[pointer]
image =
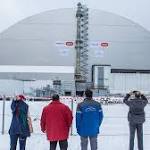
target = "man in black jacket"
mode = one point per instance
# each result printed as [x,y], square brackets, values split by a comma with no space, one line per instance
[136,116]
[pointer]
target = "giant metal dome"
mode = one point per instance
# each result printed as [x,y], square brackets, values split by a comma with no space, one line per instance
[33,41]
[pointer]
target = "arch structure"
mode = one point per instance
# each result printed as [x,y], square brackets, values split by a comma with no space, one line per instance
[42,44]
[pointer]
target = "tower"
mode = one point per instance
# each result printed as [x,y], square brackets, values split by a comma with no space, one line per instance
[81,72]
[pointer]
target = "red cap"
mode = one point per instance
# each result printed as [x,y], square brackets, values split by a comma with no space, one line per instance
[21,97]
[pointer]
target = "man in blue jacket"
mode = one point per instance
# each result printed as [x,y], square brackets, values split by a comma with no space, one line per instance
[89,116]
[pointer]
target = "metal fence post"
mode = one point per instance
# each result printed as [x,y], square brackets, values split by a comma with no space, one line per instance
[3,115]
[72,114]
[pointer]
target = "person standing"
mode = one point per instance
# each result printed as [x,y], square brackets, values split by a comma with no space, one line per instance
[56,121]
[89,116]
[19,128]
[136,116]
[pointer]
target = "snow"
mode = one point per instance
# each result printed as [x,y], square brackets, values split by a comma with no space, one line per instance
[114,131]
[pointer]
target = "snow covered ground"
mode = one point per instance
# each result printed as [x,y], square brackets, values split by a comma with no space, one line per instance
[114,131]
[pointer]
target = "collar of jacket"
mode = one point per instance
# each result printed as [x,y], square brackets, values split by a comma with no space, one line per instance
[88,99]
[55,102]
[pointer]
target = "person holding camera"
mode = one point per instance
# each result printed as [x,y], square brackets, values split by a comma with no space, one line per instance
[136,116]
[21,126]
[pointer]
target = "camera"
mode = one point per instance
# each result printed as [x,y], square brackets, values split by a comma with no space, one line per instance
[135,92]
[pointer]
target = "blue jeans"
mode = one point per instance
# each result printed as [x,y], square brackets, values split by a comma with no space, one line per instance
[13,141]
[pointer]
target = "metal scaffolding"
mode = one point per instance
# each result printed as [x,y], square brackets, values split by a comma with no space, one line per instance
[81,72]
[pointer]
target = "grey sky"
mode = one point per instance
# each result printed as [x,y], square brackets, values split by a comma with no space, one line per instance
[12,11]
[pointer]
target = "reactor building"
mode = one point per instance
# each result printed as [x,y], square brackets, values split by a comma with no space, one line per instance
[74,49]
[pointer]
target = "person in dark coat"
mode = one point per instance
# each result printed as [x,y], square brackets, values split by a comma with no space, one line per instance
[89,116]
[56,121]
[19,128]
[136,116]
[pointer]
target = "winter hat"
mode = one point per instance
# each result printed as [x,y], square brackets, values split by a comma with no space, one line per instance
[21,97]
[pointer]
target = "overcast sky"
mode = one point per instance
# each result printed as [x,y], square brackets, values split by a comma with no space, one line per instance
[12,11]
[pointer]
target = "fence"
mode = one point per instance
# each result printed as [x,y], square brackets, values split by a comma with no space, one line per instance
[115,115]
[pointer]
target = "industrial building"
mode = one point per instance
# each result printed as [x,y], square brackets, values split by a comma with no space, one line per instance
[40,50]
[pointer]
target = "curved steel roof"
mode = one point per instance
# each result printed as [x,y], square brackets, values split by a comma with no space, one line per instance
[34,41]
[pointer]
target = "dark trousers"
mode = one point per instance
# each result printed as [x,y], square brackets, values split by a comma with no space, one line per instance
[133,129]
[63,145]
[13,142]
[93,143]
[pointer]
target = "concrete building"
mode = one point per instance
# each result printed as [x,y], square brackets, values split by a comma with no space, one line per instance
[41,47]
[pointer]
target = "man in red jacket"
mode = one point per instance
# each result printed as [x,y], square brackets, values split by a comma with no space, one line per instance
[56,120]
